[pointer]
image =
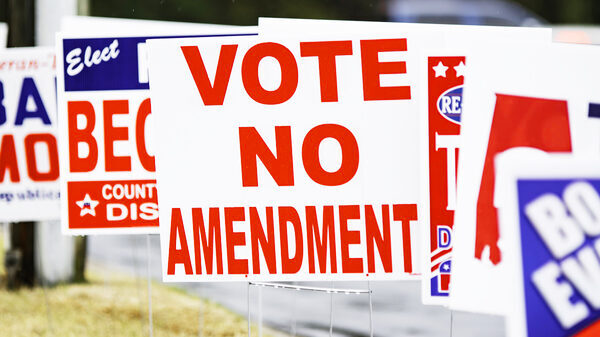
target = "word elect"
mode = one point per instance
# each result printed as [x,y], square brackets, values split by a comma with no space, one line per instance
[76,63]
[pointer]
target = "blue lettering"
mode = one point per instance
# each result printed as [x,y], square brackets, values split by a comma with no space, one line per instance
[444,237]
[28,90]
[2,108]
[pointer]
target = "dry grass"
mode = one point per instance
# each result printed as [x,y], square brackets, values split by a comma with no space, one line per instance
[115,308]
[112,305]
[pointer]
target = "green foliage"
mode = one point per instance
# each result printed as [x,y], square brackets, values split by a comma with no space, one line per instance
[237,12]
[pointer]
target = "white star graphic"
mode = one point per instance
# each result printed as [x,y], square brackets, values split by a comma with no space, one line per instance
[445,267]
[440,70]
[87,205]
[460,69]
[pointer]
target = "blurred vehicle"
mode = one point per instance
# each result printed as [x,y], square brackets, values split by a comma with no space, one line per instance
[464,12]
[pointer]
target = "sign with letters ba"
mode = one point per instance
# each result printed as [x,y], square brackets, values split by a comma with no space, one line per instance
[29,169]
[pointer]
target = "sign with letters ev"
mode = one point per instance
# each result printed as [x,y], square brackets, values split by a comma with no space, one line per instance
[29,171]
[286,159]
[108,183]
[550,219]
[513,100]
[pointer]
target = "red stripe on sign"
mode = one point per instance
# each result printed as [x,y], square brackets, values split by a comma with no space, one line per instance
[440,254]
[112,204]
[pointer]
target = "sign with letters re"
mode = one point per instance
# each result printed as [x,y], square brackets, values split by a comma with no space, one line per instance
[550,220]
[108,184]
[29,170]
[288,158]
[441,121]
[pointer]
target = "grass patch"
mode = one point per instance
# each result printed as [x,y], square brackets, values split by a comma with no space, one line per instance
[113,305]
[115,308]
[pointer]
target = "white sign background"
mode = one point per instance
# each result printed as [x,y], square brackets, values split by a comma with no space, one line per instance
[30,200]
[519,70]
[198,151]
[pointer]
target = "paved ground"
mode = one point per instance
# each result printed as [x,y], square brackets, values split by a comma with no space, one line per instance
[397,309]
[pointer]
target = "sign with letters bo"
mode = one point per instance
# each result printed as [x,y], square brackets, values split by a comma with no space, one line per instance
[29,168]
[108,182]
[286,159]
[553,219]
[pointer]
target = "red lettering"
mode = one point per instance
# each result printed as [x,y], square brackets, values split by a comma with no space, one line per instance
[210,244]
[290,215]
[289,73]
[253,146]
[310,154]
[77,136]
[178,256]
[347,238]
[234,266]
[257,236]
[111,134]
[406,214]
[8,159]
[321,242]
[32,170]
[146,160]
[326,51]
[373,69]
[383,242]
[211,94]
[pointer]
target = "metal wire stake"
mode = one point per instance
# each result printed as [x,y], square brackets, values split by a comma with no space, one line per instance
[260,313]
[42,280]
[295,298]
[331,312]
[451,323]
[200,313]
[370,309]
[150,326]
[248,309]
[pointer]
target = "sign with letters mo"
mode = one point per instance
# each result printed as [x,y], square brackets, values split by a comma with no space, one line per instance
[286,159]
[29,169]
[108,180]
[550,222]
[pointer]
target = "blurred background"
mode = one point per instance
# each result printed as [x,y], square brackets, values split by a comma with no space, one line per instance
[39,262]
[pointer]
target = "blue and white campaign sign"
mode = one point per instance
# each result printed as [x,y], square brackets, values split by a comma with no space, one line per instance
[550,220]
[108,182]
[29,169]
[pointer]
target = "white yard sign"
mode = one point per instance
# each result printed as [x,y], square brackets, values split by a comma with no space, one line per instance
[514,97]
[286,159]
[439,125]
[29,170]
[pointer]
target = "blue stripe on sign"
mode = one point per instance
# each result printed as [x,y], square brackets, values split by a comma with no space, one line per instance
[594,110]
[90,65]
